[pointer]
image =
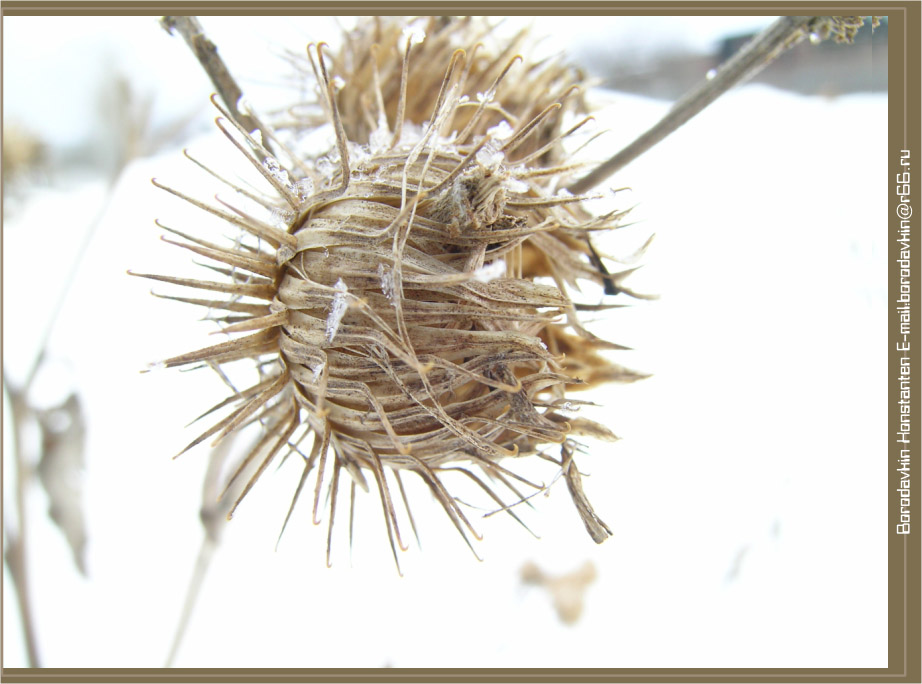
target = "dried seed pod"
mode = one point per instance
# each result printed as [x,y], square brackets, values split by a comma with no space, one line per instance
[374,57]
[390,290]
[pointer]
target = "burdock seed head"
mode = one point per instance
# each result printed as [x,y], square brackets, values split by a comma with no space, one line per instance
[405,292]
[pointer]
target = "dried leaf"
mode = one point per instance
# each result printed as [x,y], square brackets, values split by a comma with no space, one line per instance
[60,470]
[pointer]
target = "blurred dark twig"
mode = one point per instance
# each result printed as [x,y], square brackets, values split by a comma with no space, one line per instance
[750,60]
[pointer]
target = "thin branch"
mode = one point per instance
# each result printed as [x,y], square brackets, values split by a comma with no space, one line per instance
[16,563]
[205,554]
[67,282]
[213,516]
[752,58]
[207,54]
[15,552]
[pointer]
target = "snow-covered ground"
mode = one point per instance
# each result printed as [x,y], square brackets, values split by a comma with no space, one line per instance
[747,496]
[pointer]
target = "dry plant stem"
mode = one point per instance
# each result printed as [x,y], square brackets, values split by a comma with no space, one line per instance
[752,58]
[213,516]
[16,562]
[16,552]
[202,562]
[15,556]
[71,277]
[207,54]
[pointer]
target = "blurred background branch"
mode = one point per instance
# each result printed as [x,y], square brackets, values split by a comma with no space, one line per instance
[751,58]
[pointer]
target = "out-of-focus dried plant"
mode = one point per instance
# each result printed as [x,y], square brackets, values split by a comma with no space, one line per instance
[567,591]
[25,158]
[213,516]
[60,470]
[57,458]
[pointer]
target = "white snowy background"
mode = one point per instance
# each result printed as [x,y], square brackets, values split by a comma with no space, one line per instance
[746,497]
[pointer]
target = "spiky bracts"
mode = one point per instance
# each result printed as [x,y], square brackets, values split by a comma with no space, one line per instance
[406,294]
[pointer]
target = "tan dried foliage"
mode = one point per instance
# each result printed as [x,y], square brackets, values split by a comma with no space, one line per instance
[567,591]
[24,153]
